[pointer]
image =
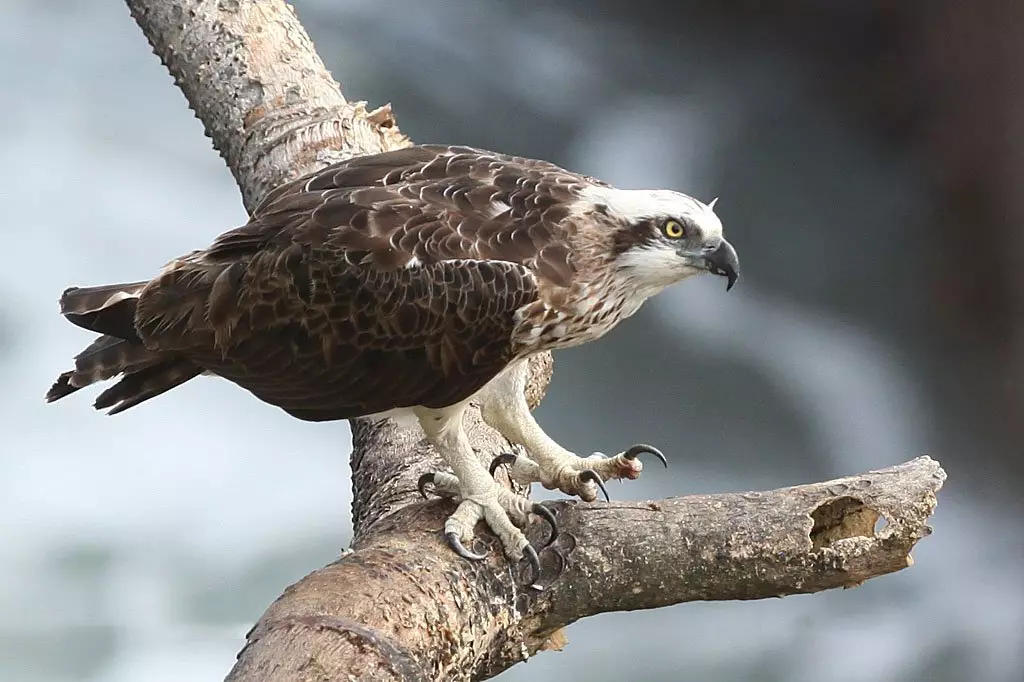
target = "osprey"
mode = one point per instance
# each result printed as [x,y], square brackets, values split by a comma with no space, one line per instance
[409,283]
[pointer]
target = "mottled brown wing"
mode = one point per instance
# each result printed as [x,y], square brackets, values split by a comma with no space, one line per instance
[382,282]
[359,340]
[427,202]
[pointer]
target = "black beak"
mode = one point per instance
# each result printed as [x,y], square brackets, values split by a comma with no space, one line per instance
[723,261]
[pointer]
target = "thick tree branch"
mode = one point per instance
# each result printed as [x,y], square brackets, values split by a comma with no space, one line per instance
[250,73]
[403,607]
[753,545]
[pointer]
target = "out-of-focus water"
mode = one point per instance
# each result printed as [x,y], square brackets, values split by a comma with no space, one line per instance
[143,547]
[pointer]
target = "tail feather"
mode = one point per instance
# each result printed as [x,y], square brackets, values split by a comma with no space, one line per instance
[106,309]
[110,311]
[140,386]
[105,358]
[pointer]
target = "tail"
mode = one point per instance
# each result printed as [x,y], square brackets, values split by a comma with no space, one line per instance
[110,311]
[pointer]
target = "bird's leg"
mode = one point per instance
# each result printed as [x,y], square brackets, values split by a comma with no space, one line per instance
[480,495]
[504,408]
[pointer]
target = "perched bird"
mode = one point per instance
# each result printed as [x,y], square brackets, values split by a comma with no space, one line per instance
[409,283]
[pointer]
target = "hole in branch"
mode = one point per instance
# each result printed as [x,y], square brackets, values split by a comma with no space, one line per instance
[843,517]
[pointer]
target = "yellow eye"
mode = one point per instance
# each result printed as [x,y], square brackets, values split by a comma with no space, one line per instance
[673,229]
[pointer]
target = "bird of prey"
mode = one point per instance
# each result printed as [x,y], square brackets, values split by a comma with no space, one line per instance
[410,283]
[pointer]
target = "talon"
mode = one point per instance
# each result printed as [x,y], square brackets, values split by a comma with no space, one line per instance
[642,448]
[456,544]
[563,563]
[503,458]
[421,484]
[530,554]
[591,475]
[545,513]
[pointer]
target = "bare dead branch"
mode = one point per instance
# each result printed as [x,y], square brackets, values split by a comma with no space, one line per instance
[403,607]
[424,614]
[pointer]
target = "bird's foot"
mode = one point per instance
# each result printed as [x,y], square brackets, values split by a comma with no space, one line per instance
[574,475]
[503,511]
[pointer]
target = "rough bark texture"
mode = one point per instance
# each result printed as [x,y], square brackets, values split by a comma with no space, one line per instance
[400,606]
[251,75]
[403,607]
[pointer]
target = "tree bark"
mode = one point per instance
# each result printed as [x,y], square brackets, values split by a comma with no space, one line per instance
[250,73]
[404,607]
[401,606]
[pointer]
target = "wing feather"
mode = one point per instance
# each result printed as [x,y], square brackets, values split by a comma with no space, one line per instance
[428,202]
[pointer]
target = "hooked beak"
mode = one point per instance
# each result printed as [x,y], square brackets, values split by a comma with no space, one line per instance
[723,261]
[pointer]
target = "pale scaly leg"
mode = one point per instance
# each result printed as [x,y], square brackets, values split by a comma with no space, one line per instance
[504,408]
[480,495]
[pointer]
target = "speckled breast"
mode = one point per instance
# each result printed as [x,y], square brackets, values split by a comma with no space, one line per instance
[584,313]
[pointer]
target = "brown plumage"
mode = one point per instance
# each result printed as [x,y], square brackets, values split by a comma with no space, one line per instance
[380,282]
[408,283]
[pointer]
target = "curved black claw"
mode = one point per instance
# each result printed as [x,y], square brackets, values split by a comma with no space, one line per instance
[641,448]
[591,475]
[421,484]
[503,458]
[545,513]
[530,554]
[456,544]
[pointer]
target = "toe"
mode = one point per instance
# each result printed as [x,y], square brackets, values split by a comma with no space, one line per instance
[618,466]
[425,480]
[521,469]
[643,448]
[530,554]
[442,483]
[513,541]
[455,542]
[590,476]
[501,510]
[508,458]
[545,513]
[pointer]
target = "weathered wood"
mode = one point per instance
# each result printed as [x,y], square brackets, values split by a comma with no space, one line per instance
[424,613]
[250,73]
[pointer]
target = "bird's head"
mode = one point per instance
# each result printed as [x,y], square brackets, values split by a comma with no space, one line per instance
[662,237]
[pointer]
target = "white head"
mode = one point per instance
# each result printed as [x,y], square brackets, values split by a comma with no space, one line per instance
[663,237]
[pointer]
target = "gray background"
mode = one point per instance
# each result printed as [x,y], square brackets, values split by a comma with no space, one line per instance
[142,547]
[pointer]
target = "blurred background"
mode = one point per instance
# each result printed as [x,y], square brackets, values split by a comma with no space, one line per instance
[869,157]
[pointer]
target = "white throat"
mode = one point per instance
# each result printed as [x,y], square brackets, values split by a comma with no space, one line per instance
[645,272]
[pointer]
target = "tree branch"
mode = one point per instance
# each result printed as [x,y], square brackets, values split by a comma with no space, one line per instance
[251,75]
[401,606]
[423,613]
